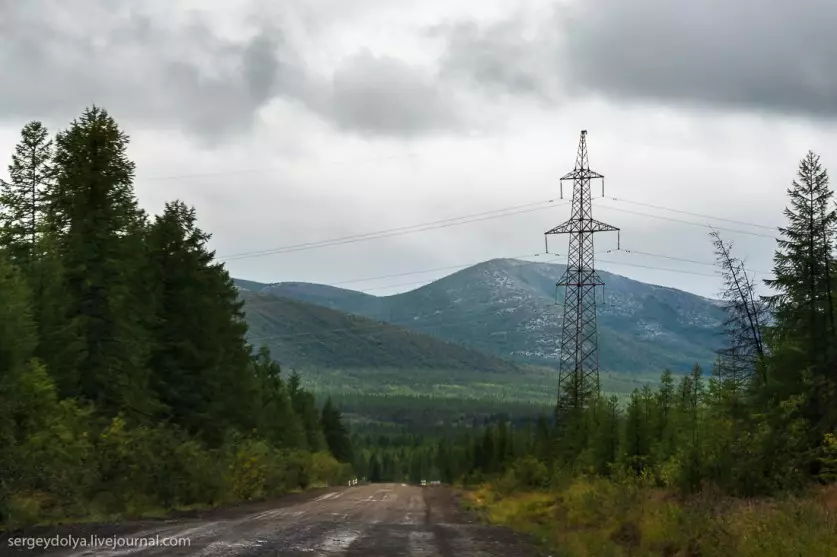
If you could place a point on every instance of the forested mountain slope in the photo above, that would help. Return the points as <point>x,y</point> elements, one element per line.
<point>507,308</point>
<point>305,335</point>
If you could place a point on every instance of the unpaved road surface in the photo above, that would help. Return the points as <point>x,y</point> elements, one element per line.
<point>380,520</point>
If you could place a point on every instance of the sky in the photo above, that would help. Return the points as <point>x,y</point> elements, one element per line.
<point>295,128</point>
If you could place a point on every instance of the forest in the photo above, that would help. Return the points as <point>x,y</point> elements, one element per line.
<point>127,388</point>
<point>737,460</point>
<point>126,383</point>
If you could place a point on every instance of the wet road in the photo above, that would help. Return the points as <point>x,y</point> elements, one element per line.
<point>381,520</point>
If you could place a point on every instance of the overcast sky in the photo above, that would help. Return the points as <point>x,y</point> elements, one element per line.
<point>289,125</point>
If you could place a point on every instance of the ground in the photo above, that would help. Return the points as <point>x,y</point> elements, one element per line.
<point>379,520</point>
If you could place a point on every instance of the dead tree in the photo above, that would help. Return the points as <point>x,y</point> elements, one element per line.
<point>747,317</point>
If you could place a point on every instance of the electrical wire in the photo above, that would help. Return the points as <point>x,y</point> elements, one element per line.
<point>488,215</point>
<point>445,223</point>
<point>701,215</point>
<point>693,223</point>
<point>410,326</point>
<point>521,256</point>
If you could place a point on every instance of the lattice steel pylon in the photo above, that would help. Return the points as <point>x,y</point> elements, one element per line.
<point>578,373</point>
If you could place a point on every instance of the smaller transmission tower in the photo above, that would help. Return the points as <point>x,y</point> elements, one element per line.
<point>578,374</point>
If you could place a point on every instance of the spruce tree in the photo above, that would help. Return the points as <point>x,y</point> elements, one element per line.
<point>200,362</point>
<point>803,302</point>
<point>336,434</point>
<point>92,211</point>
<point>22,197</point>
<point>305,407</point>
<point>276,420</point>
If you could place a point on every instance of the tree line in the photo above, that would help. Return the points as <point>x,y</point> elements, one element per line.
<point>126,382</point>
<point>762,421</point>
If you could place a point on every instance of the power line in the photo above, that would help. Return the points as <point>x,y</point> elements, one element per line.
<point>410,326</point>
<point>696,262</point>
<point>464,317</point>
<point>520,256</point>
<point>651,205</point>
<point>488,215</point>
<point>445,223</point>
<point>408,273</point>
<point>704,225</point>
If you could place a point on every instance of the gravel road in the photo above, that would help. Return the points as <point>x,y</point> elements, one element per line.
<point>379,520</point>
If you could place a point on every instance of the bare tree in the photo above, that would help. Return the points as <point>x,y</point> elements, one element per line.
<point>747,316</point>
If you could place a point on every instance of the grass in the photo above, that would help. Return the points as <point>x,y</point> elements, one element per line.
<point>597,518</point>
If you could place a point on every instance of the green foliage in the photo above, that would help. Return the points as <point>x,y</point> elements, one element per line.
<point>345,341</point>
<point>22,197</point>
<point>127,386</point>
<point>710,440</point>
<point>496,308</point>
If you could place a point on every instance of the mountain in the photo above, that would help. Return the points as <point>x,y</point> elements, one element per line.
<point>305,335</point>
<point>507,308</point>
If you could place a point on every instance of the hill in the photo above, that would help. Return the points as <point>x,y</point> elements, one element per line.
<point>305,335</point>
<point>507,308</point>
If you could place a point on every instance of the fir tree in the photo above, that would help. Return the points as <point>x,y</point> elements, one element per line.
<point>92,211</point>
<point>336,434</point>
<point>803,302</point>
<point>199,359</point>
<point>22,197</point>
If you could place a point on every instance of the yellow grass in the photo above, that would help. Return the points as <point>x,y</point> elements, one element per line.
<point>597,518</point>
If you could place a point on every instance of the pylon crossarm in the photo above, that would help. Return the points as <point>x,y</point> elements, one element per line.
<point>582,174</point>
<point>581,225</point>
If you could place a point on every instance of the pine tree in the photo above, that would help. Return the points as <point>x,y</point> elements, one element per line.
<point>22,197</point>
<point>305,407</point>
<point>637,442</point>
<point>606,437</point>
<point>746,319</point>
<point>336,434</point>
<point>803,304</point>
<point>277,421</point>
<point>92,211</point>
<point>199,359</point>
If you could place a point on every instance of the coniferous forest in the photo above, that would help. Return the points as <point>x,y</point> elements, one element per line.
<point>740,459</point>
<point>127,387</point>
<point>126,384</point>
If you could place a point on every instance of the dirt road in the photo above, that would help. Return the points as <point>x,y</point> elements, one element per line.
<point>381,520</point>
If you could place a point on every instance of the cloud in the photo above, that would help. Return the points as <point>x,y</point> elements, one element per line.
<point>770,56</point>
<point>170,69</point>
<point>383,95</point>
<point>499,57</point>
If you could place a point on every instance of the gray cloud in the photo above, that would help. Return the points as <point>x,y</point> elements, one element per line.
<point>384,95</point>
<point>497,57</point>
<point>769,55</point>
<point>158,71</point>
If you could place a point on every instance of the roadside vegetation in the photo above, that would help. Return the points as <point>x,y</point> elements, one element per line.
<point>739,461</point>
<point>126,385</point>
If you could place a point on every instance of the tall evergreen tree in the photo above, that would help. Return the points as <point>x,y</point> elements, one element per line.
<point>199,359</point>
<point>276,419</point>
<point>305,406</point>
<point>336,434</point>
<point>92,211</point>
<point>804,256</point>
<point>804,303</point>
<point>22,197</point>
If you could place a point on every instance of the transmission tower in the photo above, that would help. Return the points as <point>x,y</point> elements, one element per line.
<point>578,374</point>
